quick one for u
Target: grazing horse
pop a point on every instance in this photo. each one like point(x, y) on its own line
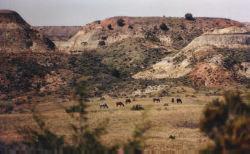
point(172, 100)
point(178, 100)
point(119, 104)
point(104, 105)
point(128, 101)
point(156, 100)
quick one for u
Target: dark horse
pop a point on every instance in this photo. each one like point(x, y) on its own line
point(119, 104)
point(178, 100)
point(156, 100)
point(128, 101)
point(104, 105)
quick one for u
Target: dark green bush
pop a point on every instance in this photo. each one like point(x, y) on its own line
point(110, 27)
point(227, 123)
point(121, 22)
point(101, 43)
point(164, 27)
point(189, 16)
point(116, 73)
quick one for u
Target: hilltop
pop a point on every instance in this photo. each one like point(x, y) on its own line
point(17, 35)
point(58, 33)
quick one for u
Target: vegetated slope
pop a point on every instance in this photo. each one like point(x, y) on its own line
point(30, 73)
point(171, 32)
point(58, 33)
point(17, 35)
point(39, 74)
point(129, 56)
point(217, 59)
point(30, 69)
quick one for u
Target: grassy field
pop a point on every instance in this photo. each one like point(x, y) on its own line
point(179, 120)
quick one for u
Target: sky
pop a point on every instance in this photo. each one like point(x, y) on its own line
point(80, 12)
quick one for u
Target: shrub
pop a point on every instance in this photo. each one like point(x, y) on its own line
point(116, 73)
point(164, 27)
point(110, 27)
point(97, 22)
point(227, 123)
point(6, 107)
point(29, 43)
point(172, 137)
point(151, 36)
point(74, 109)
point(101, 43)
point(121, 22)
point(130, 27)
point(189, 16)
point(137, 107)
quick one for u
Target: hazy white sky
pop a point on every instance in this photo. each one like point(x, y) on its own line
point(79, 12)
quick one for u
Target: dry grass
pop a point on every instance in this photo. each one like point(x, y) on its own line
point(180, 120)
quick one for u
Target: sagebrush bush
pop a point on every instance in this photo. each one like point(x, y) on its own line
point(227, 123)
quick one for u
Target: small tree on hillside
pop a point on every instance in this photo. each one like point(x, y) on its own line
point(164, 27)
point(189, 16)
point(110, 27)
point(121, 22)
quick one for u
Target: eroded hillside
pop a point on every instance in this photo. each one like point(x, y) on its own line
point(215, 59)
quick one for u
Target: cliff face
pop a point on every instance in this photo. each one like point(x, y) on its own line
point(16, 35)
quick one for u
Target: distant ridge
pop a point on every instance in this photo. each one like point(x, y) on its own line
point(17, 35)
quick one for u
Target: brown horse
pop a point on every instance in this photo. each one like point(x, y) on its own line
point(178, 100)
point(156, 100)
point(119, 104)
point(127, 101)
point(104, 105)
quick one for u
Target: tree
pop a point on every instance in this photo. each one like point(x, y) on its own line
point(227, 123)
point(189, 16)
point(101, 43)
point(110, 27)
point(164, 27)
point(121, 22)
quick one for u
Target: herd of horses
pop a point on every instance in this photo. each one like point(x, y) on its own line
point(104, 105)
